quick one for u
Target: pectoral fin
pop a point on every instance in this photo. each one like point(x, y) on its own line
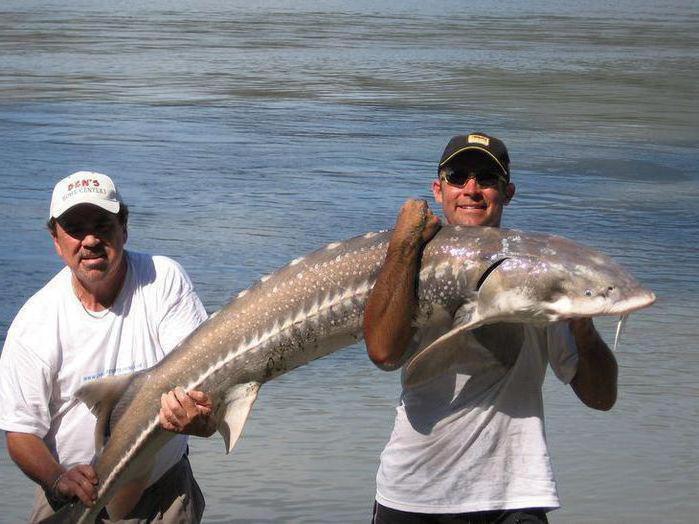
point(101, 396)
point(423, 365)
point(235, 411)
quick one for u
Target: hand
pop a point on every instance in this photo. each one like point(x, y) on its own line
point(79, 481)
point(190, 413)
point(416, 224)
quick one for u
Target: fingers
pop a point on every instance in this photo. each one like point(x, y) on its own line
point(173, 410)
point(416, 222)
point(88, 472)
point(179, 409)
point(432, 225)
point(204, 403)
point(165, 417)
point(79, 481)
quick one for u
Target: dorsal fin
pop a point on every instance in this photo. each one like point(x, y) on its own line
point(101, 396)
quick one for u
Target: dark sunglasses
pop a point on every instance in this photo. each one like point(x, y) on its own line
point(484, 178)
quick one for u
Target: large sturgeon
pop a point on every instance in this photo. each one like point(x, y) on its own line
point(314, 306)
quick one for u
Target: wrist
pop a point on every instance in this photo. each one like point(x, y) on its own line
point(583, 330)
point(53, 491)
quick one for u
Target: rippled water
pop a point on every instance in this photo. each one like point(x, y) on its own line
point(243, 136)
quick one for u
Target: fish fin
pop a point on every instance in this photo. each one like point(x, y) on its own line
point(100, 396)
point(422, 366)
point(236, 409)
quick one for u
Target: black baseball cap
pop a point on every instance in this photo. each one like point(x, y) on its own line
point(491, 146)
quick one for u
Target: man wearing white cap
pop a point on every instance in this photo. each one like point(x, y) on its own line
point(108, 312)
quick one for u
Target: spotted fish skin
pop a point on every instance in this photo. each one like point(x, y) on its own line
point(314, 306)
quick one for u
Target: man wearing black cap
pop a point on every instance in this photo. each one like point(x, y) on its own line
point(469, 446)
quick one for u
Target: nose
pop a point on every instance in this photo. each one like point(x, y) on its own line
point(471, 186)
point(90, 240)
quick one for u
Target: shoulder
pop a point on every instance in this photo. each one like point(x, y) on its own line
point(37, 319)
point(47, 299)
point(159, 275)
point(167, 266)
point(155, 267)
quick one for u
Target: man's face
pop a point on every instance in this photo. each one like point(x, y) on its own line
point(473, 204)
point(91, 242)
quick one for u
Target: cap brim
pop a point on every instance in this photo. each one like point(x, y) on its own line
point(477, 148)
point(112, 206)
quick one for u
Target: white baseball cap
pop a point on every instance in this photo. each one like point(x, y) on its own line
point(85, 187)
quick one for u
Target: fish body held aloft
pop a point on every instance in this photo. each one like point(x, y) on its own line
point(314, 306)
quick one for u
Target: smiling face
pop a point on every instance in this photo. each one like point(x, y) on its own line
point(473, 204)
point(91, 242)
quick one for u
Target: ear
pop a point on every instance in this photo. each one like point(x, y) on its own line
point(56, 245)
point(509, 193)
point(437, 190)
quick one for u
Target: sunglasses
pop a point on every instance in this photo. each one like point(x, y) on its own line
point(484, 178)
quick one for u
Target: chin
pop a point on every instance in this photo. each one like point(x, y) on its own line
point(470, 220)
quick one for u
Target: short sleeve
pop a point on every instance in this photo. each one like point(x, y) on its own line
point(25, 389)
point(182, 312)
point(562, 351)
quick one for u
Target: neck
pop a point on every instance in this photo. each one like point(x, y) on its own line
point(98, 296)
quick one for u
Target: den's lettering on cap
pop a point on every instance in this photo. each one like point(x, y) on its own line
point(85, 187)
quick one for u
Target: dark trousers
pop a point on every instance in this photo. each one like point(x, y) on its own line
point(174, 499)
point(384, 515)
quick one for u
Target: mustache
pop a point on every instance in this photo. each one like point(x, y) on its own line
point(87, 254)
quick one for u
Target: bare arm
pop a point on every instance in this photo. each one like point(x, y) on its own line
point(595, 382)
point(392, 303)
point(32, 456)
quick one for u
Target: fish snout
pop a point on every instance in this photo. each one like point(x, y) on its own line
point(624, 301)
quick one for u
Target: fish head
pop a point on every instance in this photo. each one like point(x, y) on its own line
point(595, 286)
point(547, 287)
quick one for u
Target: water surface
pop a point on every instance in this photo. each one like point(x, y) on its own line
point(244, 136)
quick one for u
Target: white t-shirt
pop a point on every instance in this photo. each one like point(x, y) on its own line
point(472, 438)
point(54, 346)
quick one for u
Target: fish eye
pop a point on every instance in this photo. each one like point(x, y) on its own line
point(588, 292)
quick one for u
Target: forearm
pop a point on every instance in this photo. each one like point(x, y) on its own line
point(595, 381)
point(392, 305)
point(33, 457)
